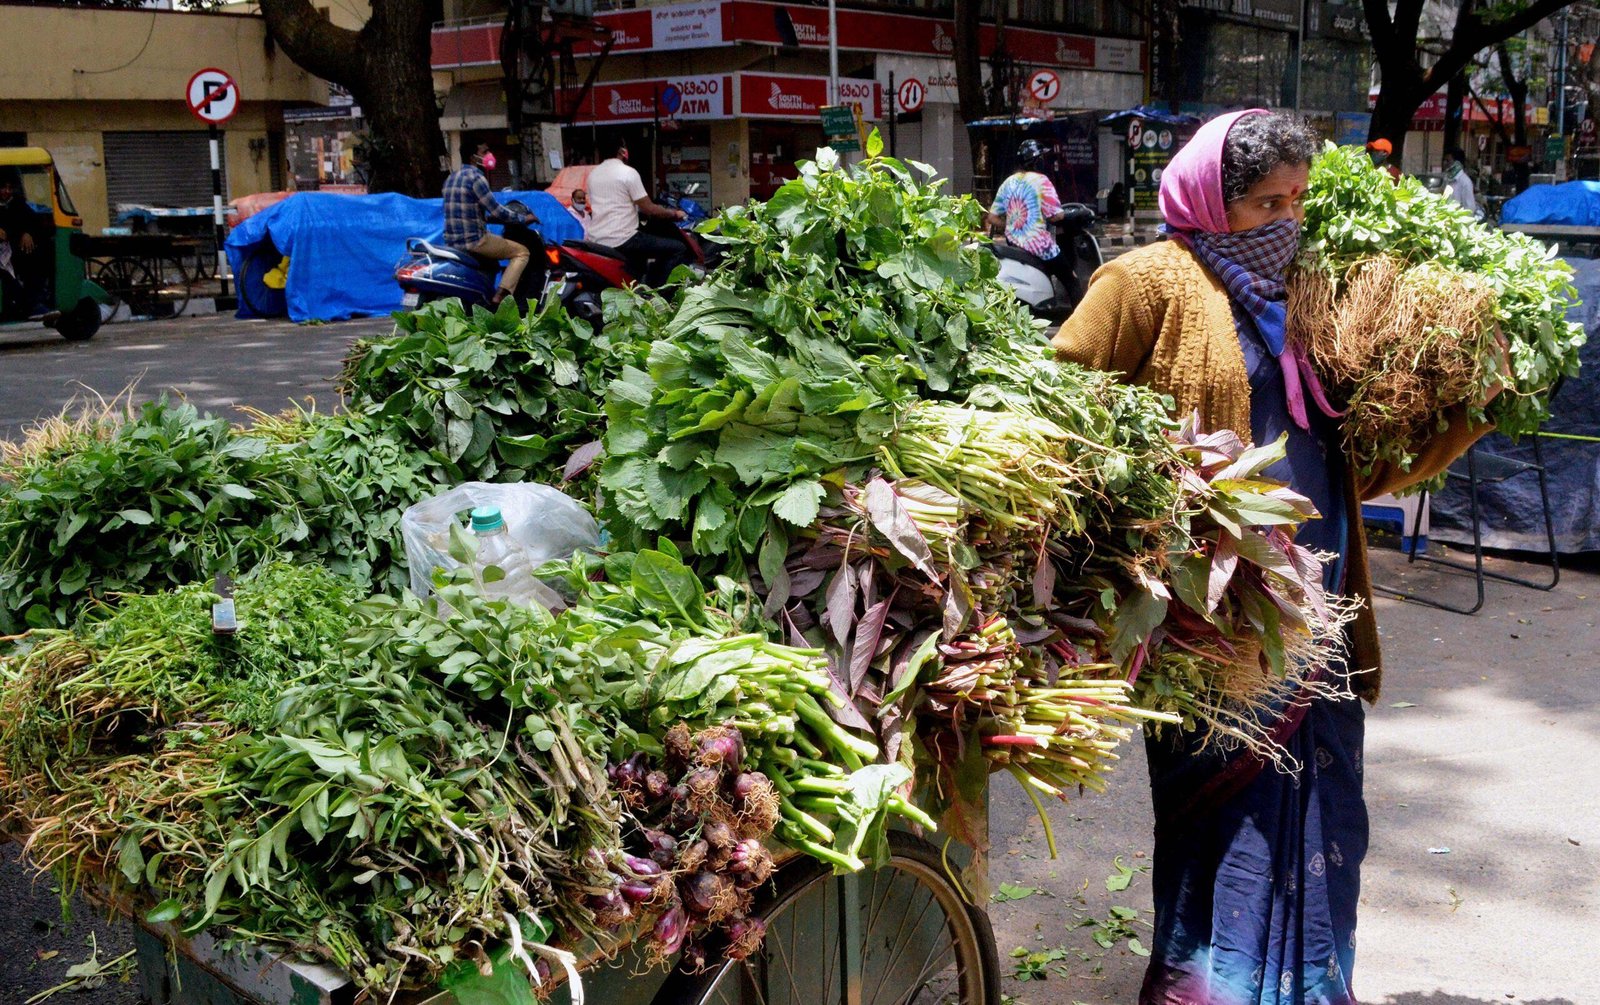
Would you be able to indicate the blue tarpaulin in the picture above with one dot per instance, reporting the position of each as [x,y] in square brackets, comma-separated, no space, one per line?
[1151,113]
[1509,511]
[1571,204]
[342,249]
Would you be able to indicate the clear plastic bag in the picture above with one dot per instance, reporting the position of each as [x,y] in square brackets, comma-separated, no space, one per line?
[544,522]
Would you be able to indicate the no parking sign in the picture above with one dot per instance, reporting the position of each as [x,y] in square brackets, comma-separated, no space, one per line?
[212,95]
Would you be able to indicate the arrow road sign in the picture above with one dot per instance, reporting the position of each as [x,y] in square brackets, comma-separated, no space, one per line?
[1044,85]
[212,96]
[910,94]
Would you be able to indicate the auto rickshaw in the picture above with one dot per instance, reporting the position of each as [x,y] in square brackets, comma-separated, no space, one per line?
[47,286]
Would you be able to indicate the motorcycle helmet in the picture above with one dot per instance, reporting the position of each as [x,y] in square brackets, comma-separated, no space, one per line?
[1029,155]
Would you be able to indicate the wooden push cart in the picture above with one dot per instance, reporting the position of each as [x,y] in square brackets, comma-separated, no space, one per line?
[154,275]
[902,934]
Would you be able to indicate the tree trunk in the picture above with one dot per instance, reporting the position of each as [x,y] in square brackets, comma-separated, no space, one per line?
[1391,119]
[1406,84]
[385,67]
[1517,90]
[1165,17]
[969,74]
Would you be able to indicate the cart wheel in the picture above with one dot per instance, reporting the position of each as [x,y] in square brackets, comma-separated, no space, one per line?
[80,323]
[920,942]
[175,286]
[130,283]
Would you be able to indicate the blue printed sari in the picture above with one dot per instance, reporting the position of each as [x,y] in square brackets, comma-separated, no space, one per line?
[1257,871]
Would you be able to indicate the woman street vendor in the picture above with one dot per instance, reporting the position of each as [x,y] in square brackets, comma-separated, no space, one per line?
[1257,870]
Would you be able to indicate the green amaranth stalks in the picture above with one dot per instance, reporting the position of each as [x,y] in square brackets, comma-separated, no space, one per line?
[1011,468]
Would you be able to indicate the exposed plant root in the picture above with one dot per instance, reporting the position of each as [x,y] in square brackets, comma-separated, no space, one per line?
[1397,344]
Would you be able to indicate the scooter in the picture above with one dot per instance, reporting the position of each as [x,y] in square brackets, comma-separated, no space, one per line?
[582,270]
[1045,295]
[707,253]
[432,271]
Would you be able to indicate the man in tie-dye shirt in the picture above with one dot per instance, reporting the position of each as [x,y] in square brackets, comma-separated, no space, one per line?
[1025,206]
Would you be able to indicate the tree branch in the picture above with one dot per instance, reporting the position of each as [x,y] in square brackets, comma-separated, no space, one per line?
[312,41]
[1480,35]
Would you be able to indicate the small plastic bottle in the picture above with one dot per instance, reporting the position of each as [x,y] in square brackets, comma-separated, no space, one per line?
[497,548]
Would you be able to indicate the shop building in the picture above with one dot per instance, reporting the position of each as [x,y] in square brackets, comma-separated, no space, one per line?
[712,91]
[1487,133]
[102,90]
[1238,53]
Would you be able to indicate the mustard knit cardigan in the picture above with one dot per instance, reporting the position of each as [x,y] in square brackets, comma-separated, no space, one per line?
[1158,316]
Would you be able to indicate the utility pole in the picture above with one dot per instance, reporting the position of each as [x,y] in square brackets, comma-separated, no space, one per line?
[833,52]
[1561,78]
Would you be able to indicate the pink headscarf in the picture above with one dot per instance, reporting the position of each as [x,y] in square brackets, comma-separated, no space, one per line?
[1191,185]
[1192,200]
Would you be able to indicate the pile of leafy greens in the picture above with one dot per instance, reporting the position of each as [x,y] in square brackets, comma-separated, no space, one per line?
[929,548]
[170,496]
[393,785]
[499,396]
[857,417]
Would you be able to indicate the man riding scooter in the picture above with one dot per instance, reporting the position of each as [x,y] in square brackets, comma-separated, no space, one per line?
[469,204]
[616,199]
[1025,206]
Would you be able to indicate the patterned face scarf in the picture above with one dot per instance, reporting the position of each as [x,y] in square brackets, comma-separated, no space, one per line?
[1251,265]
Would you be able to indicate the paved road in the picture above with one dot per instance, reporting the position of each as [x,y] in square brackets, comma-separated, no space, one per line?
[1486,742]
[214,362]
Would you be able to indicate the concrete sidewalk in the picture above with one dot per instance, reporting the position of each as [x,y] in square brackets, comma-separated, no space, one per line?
[1486,742]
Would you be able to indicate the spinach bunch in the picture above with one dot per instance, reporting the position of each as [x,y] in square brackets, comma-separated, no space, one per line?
[1355,212]
[718,434]
[170,498]
[499,396]
[877,261]
[357,478]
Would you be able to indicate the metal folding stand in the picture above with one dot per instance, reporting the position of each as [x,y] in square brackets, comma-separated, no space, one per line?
[1496,468]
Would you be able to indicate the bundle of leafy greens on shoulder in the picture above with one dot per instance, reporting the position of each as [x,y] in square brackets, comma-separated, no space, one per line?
[1446,283]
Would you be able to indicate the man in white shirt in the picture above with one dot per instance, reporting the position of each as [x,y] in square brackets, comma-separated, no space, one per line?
[1458,183]
[616,199]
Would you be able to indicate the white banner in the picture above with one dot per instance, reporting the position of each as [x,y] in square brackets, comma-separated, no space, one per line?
[686,26]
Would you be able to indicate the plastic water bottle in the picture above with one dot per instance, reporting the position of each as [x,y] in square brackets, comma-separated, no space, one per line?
[497,548]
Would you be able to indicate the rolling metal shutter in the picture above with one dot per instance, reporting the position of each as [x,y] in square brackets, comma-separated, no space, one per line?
[168,168]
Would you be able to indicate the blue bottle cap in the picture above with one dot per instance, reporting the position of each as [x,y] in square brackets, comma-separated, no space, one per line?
[486,518]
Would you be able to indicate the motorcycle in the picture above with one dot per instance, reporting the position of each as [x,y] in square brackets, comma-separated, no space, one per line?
[582,270]
[1044,294]
[437,272]
[706,253]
